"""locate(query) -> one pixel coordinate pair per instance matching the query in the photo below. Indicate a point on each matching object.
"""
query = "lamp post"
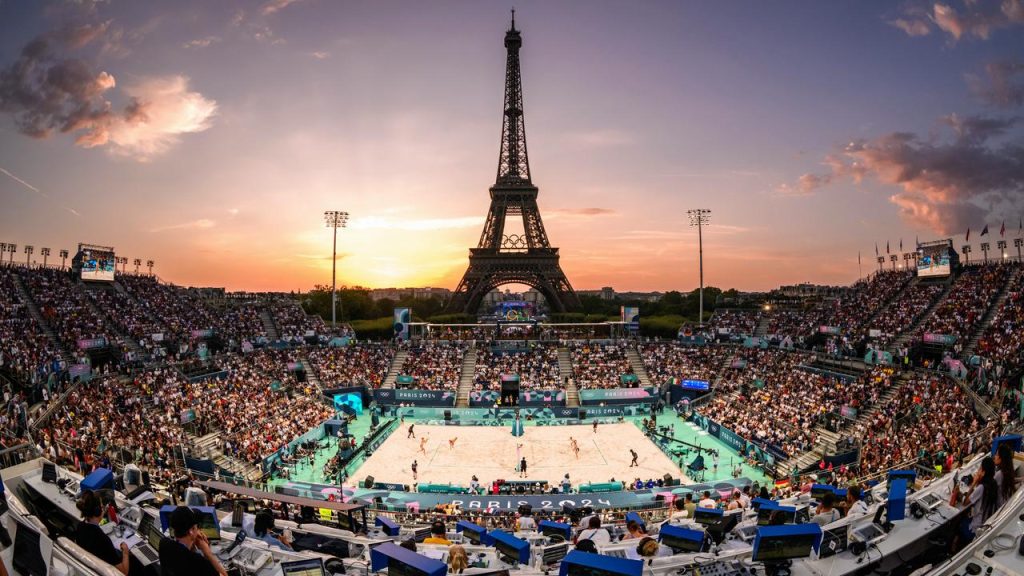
(984, 248)
(966, 249)
(137, 262)
(45, 252)
(28, 254)
(1001, 246)
(700, 217)
(11, 249)
(149, 264)
(335, 219)
(881, 262)
(3, 250)
(893, 258)
(1017, 244)
(63, 257)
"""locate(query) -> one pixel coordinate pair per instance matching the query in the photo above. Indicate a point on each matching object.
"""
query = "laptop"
(148, 551)
(834, 541)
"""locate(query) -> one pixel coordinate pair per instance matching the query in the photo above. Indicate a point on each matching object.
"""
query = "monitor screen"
(471, 536)
(784, 547)
(311, 567)
(707, 515)
(508, 551)
(49, 472)
(28, 558)
(554, 553)
(421, 534)
(207, 521)
(764, 515)
(682, 540)
(834, 541)
(818, 491)
(154, 536)
(397, 568)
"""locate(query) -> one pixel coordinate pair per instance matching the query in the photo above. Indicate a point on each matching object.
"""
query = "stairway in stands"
(33, 311)
(726, 363)
(638, 366)
(909, 333)
(761, 330)
(209, 447)
(997, 305)
(395, 368)
(466, 377)
(311, 374)
(269, 327)
(149, 315)
(112, 326)
(572, 394)
(885, 305)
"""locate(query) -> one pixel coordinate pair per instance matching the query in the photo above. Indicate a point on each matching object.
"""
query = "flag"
(886, 246)
(1002, 229)
(901, 244)
(876, 248)
(968, 237)
(858, 258)
(984, 230)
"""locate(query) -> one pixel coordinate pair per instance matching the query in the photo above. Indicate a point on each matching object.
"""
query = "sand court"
(491, 452)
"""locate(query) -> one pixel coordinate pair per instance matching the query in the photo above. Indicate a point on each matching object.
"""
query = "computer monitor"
(28, 555)
(682, 540)
(578, 563)
(553, 553)
(818, 491)
(387, 525)
(206, 519)
(909, 475)
(756, 503)
(896, 505)
(310, 567)
(834, 541)
(421, 534)
(781, 543)
(555, 529)
(707, 515)
(49, 472)
(153, 535)
(515, 550)
(780, 514)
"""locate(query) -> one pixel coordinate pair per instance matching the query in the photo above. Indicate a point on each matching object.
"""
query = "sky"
(210, 137)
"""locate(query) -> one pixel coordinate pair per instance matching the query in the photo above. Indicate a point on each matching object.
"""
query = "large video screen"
(933, 261)
(98, 265)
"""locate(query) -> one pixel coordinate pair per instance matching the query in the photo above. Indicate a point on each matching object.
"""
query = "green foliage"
(661, 326)
(453, 319)
(375, 329)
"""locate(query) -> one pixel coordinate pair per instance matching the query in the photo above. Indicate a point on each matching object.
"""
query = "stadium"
(873, 428)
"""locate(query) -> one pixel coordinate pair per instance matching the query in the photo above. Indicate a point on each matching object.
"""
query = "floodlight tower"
(700, 217)
(137, 262)
(46, 253)
(1017, 244)
(63, 258)
(11, 249)
(28, 254)
(335, 219)
(149, 264)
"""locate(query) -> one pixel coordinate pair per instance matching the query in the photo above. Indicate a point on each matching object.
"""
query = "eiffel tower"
(502, 259)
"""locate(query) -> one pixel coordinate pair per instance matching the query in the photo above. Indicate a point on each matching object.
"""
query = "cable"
(998, 545)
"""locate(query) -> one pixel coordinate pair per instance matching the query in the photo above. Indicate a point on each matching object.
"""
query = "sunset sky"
(211, 136)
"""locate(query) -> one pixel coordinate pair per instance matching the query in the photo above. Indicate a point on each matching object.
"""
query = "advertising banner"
(484, 398)
(80, 371)
(833, 330)
(401, 325)
(352, 400)
(605, 411)
(200, 334)
(542, 398)
(617, 395)
(631, 316)
(698, 385)
(187, 415)
(91, 343)
(414, 397)
(944, 339)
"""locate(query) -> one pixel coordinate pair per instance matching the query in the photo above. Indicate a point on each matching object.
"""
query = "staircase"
(885, 305)
(994, 309)
(109, 323)
(466, 377)
(572, 394)
(269, 327)
(761, 330)
(806, 459)
(149, 315)
(33, 311)
(210, 447)
(910, 333)
(638, 366)
(395, 369)
(726, 363)
(311, 376)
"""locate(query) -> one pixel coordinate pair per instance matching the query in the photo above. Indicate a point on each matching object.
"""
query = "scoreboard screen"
(934, 261)
(98, 265)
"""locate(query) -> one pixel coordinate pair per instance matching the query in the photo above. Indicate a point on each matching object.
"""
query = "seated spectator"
(92, 539)
(826, 512)
(263, 529)
(178, 555)
(438, 535)
(594, 532)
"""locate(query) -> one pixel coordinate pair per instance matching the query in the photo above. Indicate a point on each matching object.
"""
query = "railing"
(17, 454)
(55, 404)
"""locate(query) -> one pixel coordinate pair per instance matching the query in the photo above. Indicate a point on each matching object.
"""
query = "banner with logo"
(631, 317)
(91, 343)
(832, 330)
(944, 339)
(617, 395)
(401, 325)
(484, 398)
(415, 397)
(202, 334)
(542, 398)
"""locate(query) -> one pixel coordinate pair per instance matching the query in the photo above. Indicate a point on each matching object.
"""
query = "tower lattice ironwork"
(501, 258)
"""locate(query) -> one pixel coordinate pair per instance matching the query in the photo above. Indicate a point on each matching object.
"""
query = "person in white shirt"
(855, 507)
(594, 532)
(826, 513)
(706, 501)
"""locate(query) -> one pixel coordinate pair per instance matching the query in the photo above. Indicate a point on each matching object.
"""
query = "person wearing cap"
(187, 552)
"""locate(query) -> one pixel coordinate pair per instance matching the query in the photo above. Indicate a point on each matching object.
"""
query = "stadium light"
(881, 262)
(700, 217)
(984, 248)
(11, 249)
(893, 259)
(45, 252)
(3, 249)
(63, 257)
(335, 219)
(137, 262)
(149, 264)
(1001, 246)
(1017, 244)
(966, 249)
(28, 254)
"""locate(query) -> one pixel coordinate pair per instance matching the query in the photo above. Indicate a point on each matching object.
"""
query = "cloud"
(320, 55)
(580, 211)
(944, 184)
(276, 5)
(45, 91)
(1003, 85)
(379, 223)
(201, 42)
(971, 18)
(233, 211)
(200, 224)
